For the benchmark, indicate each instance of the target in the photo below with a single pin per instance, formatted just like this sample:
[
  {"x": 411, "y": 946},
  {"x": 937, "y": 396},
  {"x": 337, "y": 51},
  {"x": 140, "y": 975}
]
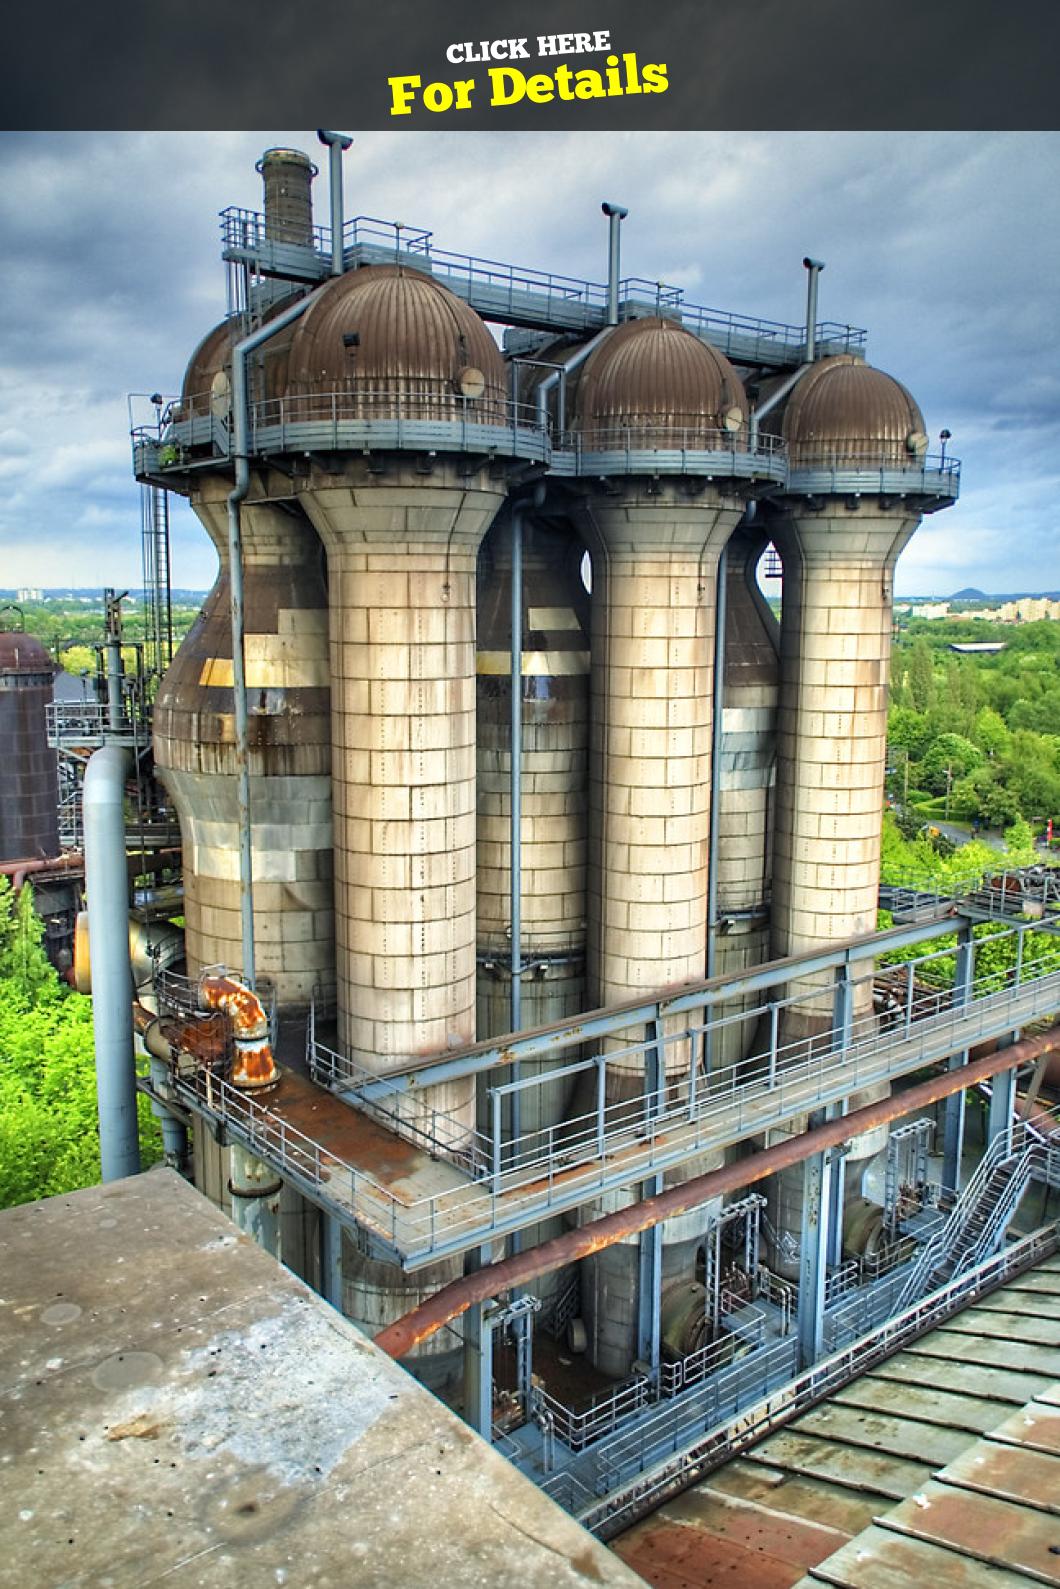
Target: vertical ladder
[{"x": 158, "y": 600}]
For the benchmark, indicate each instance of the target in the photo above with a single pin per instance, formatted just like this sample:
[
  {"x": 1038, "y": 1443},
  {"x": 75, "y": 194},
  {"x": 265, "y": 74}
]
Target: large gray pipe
[
  {"x": 559, "y": 378},
  {"x": 815, "y": 267},
  {"x": 107, "y": 885},
  {"x": 616, "y": 214},
  {"x": 336, "y": 143}
]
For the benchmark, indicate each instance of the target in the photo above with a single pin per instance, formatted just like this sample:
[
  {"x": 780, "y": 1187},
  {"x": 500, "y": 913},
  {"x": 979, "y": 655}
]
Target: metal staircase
[{"x": 977, "y": 1223}]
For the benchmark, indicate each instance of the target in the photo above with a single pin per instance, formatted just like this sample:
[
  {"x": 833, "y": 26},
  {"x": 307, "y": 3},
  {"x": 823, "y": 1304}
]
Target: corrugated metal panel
[
  {"x": 843, "y": 411},
  {"x": 413, "y": 337},
  {"x": 652, "y": 373}
]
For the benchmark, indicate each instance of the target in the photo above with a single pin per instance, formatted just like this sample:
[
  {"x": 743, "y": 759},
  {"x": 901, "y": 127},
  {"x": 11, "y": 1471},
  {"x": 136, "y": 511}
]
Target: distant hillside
[{"x": 970, "y": 595}]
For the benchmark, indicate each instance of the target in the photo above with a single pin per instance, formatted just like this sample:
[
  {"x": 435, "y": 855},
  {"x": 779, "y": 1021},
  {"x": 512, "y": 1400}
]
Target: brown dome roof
[
  {"x": 392, "y": 331},
  {"x": 654, "y": 375},
  {"x": 214, "y": 356},
  {"x": 844, "y": 410},
  {"x": 214, "y": 353},
  {"x": 23, "y": 653}
]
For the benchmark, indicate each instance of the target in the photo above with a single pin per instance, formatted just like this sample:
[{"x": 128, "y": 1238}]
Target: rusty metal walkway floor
[{"x": 961, "y": 1430}]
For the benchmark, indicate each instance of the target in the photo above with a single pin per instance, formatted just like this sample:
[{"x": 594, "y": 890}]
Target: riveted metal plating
[
  {"x": 386, "y": 329},
  {"x": 844, "y": 411},
  {"x": 653, "y": 375}
]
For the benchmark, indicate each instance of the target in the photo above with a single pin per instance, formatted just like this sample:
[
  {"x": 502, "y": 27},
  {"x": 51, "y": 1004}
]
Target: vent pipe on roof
[
  {"x": 336, "y": 143},
  {"x": 815, "y": 267},
  {"x": 286, "y": 176},
  {"x": 616, "y": 214}
]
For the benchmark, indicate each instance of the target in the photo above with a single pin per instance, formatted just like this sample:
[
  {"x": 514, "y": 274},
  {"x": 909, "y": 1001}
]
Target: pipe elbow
[{"x": 254, "y": 1065}]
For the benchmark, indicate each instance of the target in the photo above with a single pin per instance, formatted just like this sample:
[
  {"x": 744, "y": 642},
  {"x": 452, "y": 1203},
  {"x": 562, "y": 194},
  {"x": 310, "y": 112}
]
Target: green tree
[
  {"x": 948, "y": 757},
  {"x": 49, "y": 1138},
  {"x": 990, "y": 733},
  {"x": 920, "y": 675}
]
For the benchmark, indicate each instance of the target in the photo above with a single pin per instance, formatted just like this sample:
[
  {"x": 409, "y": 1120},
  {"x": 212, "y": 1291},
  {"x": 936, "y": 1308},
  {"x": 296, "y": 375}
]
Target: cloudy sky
[{"x": 943, "y": 245}]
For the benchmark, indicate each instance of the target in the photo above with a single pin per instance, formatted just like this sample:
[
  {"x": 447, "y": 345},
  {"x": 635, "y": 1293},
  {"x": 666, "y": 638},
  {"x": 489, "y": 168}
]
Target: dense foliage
[
  {"x": 49, "y": 1139},
  {"x": 976, "y": 739}
]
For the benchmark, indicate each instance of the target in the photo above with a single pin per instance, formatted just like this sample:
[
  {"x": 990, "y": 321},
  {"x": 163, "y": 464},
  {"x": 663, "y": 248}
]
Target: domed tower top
[
  {"x": 210, "y": 359},
  {"x": 843, "y": 413},
  {"x": 671, "y": 389},
  {"x": 22, "y": 654},
  {"x": 397, "y": 342}
]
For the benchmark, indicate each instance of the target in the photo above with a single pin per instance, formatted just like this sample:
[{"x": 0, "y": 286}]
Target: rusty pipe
[
  {"x": 18, "y": 871},
  {"x": 254, "y": 1065},
  {"x": 452, "y": 1300}
]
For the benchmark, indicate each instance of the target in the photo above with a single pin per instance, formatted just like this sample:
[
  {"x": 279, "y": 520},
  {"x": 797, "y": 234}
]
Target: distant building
[
  {"x": 1028, "y": 609},
  {"x": 29, "y": 593},
  {"x": 977, "y": 648}
]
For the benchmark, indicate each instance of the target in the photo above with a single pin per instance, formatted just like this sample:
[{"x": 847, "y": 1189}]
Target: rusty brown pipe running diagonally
[{"x": 447, "y": 1304}]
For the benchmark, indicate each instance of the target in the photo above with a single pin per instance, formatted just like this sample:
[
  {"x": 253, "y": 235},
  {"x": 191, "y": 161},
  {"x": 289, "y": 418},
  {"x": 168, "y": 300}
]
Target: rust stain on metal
[
  {"x": 344, "y": 1133},
  {"x": 980, "y": 1526},
  {"x": 254, "y": 1066},
  {"x": 452, "y": 1300},
  {"x": 244, "y": 1007},
  {"x": 673, "y": 1556}
]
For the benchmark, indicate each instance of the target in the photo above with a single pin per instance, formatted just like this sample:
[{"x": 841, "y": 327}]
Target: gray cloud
[{"x": 936, "y": 242}]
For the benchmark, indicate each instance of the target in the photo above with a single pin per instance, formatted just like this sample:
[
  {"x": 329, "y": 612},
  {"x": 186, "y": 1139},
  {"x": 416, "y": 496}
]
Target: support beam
[
  {"x": 453, "y": 1300},
  {"x": 478, "y": 1352},
  {"x": 953, "y": 1119},
  {"x": 813, "y": 1250},
  {"x": 1002, "y": 1107},
  {"x": 331, "y": 1259},
  {"x": 649, "y": 1288}
]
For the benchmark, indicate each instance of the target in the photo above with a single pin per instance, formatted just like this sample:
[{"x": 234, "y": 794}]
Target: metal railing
[
  {"x": 494, "y": 286},
  {"x": 659, "y": 1457},
  {"x": 80, "y": 724},
  {"x": 615, "y": 1144},
  {"x": 988, "y": 1203},
  {"x": 731, "y": 452}
]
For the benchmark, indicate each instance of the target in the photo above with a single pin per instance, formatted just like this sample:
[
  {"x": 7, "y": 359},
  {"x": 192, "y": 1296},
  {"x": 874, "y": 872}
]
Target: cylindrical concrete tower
[
  {"x": 662, "y": 417},
  {"x": 839, "y": 548},
  {"x": 286, "y": 650},
  {"x": 857, "y": 488},
  {"x": 29, "y": 794},
  {"x": 402, "y": 532},
  {"x": 653, "y": 387},
  {"x": 388, "y": 355}
]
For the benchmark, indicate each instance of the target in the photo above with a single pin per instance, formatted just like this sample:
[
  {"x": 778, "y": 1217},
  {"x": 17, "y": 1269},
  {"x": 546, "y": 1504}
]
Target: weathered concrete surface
[{"x": 176, "y": 1407}]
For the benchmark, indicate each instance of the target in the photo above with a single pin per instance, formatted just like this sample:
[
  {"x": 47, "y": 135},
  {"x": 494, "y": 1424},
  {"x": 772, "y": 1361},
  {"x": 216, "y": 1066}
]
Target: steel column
[
  {"x": 813, "y": 1254},
  {"x": 953, "y": 1117},
  {"x": 478, "y": 1355},
  {"x": 255, "y": 1189},
  {"x": 107, "y": 887},
  {"x": 1002, "y": 1107},
  {"x": 331, "y": 1259}
]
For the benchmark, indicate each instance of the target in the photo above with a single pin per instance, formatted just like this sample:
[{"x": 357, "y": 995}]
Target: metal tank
[
  {"x": 746, "y": 782},
  {"x": 285, "y": 608},
  {"x": 29, "y": 822},
  {"x": 386, "y": 347},
  {"x": 553, "y": 829},
  {"x": 856, "y": 445},
  {"x": 655, "y": 538},
  {"x": 555, "y": 776}
]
